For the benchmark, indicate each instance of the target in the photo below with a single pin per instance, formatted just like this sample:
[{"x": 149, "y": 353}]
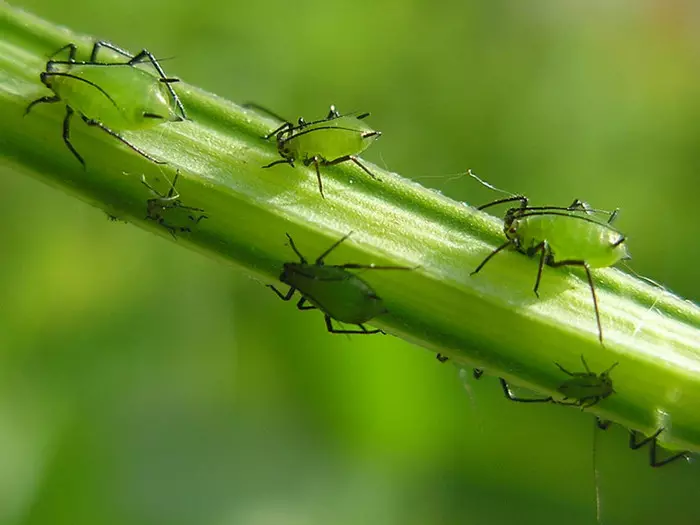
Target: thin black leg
[
  {"x": 66, "y": 134},
  {"x": 542, "y": 247},
  {"x": 318, "y": 176},
  {"x": 441, "y": 358},
  {"x": 302, "y": 259},
  {"x": 509, "y": 395},
  {"x": 477, "y": 373},
  {"x": 301, "y": 304},
  {"x": 362, "y": 331},
  {"x": 634, "y": 444},
  {"x": 284, "y": 297},
  {"x": 320, "y": 258},
  {"x": 488, "y": 258},
  {"x": 50, "y": 99},
  {"x": 91, "y": 122},
  {"x": 281, "y": 161},
  {"x": 584, "y": 265}
]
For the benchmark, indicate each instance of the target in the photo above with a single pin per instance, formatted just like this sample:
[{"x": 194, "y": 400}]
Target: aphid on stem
[
  {"x": 112, "y": 96},
  {"x": 341, "y": 295}
]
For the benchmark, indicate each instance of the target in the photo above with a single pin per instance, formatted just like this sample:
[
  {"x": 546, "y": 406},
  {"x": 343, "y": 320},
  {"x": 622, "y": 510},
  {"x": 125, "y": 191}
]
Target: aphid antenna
[
  {"x": 354, "y": 266},
  {"x": 45, "y": 74},
  {"x": 262, "y": 109},
  {"x": 487, "y": 184},
  {"x": 319, "y": 259},
  {"x": 607, "y": 371}
]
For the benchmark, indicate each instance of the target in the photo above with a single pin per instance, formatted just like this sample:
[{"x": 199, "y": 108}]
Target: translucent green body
[
  {"x": 121, "y": 97},
  {"x": 329, "y": 139},
  {"x": 570, "y": 238},
  {"x": 335, "y": 291},
  {"x": 586, "y": 386}
]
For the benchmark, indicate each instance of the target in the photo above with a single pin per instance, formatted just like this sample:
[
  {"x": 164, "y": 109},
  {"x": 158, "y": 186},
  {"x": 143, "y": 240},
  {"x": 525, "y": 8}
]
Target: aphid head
[
  {"x": 289, "y": 270},
  {"x": 283, "y": 147},
  {"x": 511, "y": 223}
]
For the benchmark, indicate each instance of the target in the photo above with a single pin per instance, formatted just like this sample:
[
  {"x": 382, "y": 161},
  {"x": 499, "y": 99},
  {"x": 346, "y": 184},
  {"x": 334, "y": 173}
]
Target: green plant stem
[{"x": 491, "y": 320}]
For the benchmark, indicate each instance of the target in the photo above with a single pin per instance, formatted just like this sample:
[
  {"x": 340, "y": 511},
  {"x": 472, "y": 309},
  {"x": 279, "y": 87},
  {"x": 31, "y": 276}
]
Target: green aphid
[
  {"x": 333, "y": 140},
  {"x": 341, "y": 295},
  {"x": 168, "y": 211},
  {"x": 111, "y": 96},
  {"x": 635, "y": 443},
  {"x": 586, "y": 389},
  {"x": 562, "y": 237}
]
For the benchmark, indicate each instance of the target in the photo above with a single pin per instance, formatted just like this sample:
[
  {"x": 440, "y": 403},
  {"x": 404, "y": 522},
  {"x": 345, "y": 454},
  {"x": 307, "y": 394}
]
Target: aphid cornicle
[
  {"x": 586, "y": 389},
  {"x": 165, "y": 209},
  {"x": 563, "y": 236},
  {"x": 112, "y": 96},
  {"x": 333, "y": 140},
  {"x": 341, "y": 295}
]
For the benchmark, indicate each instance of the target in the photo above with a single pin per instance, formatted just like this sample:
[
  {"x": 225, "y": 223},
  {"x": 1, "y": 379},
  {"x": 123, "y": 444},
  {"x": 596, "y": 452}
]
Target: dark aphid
[
  {"x": 326, "y": 142},
  {"x": 586, "y": 388},
  {"x": 111, "y": 96},
  {"x": 338, "y": 293},
  {"x": 562, "y": 237},
  {"x": 168, "y": 211}
]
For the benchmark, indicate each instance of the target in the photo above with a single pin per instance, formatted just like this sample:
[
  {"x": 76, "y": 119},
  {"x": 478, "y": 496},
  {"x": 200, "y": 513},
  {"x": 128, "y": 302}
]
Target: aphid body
[
  {"x": 586, "y": 388},
  {"x": 339, "y": 294},
  {"x": 113, "y": 96},
  {"x": 333, "y": 140},
  {"x": 563, "y": 236},
  {"x": 120, "y": 96},
  {"x": 168, "y": 210}
]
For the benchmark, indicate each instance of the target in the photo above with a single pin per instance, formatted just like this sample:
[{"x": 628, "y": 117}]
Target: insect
[
  {"x": 326, "y": 142},
  {"x": 635, "y": 443},
  {"x": 165, "y": 209},
  {"x": 341, "y": 295},
  {"x": 112, "y": 96},
  {"x": 586, "y": 388},
  {"x": 563, "y": 236}
]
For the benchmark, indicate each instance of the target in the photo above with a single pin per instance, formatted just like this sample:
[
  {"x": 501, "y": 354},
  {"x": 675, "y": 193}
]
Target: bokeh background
[{"x": 144, "y": 384}]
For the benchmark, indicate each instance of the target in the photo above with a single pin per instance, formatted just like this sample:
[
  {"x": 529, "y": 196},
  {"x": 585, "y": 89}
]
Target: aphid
[
  {"x": 563, "y": 237},
  {"x": 168, "y": 211},
  {"x": 586, "y": 388},
  {"x": 339, "y": 294},
  {"x": 110, "y": 96},
  {"x": 326, "y": 142}
]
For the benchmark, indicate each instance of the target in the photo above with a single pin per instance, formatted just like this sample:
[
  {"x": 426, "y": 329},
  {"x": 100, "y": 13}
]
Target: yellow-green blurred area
[{"x": 142, "y": 383}]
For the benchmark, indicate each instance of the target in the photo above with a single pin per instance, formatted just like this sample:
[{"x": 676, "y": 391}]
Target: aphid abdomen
[
  {"x": 335, "y": 291},
  {"x": 572, "y": 238},
  {"x": 334, "y": 139}
]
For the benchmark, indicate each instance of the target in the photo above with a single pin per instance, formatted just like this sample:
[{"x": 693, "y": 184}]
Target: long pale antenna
[{"x": 489, "y": 186}]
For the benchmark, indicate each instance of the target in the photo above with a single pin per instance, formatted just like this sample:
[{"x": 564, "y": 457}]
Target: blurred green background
[{"x": 144, "y": 384}]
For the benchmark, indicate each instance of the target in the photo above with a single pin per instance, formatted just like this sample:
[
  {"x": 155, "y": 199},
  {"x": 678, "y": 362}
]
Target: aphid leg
[
  {"x": 509, "y": 395},
  {"x": 362, "y": 331},
  {"x": 315, "y": 162},
  {"x": 477, "y": 373},
  {"x": 91, "y": 122},
  {"x": 592, "y": 287},
  {"x": 66, "y": 134},
  {"x": 619, "y": 242},
  {"x": 284, "y": 297},
  {"x": 634, "y": 445},
  {"x": 282, "y": 128},
  {"x": 301, "y": 304},
  {"x": 143, "y": 55},
  {"x": 72, "y": 50},
  {"x": 351, "y": 158},
  {"x": 544, "y": 248},
  {"x": 362, "y": 115},
  {"x": 333, "y": 113},
  {"x": 281, "y": 161},
  {"x": 613, "y": 215},
  {"x": 43, "y": 100},
  {"x": 488, "y": 258},
  {"x": 441, "y": 358},
  {"x": 319, "y": 259}
]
